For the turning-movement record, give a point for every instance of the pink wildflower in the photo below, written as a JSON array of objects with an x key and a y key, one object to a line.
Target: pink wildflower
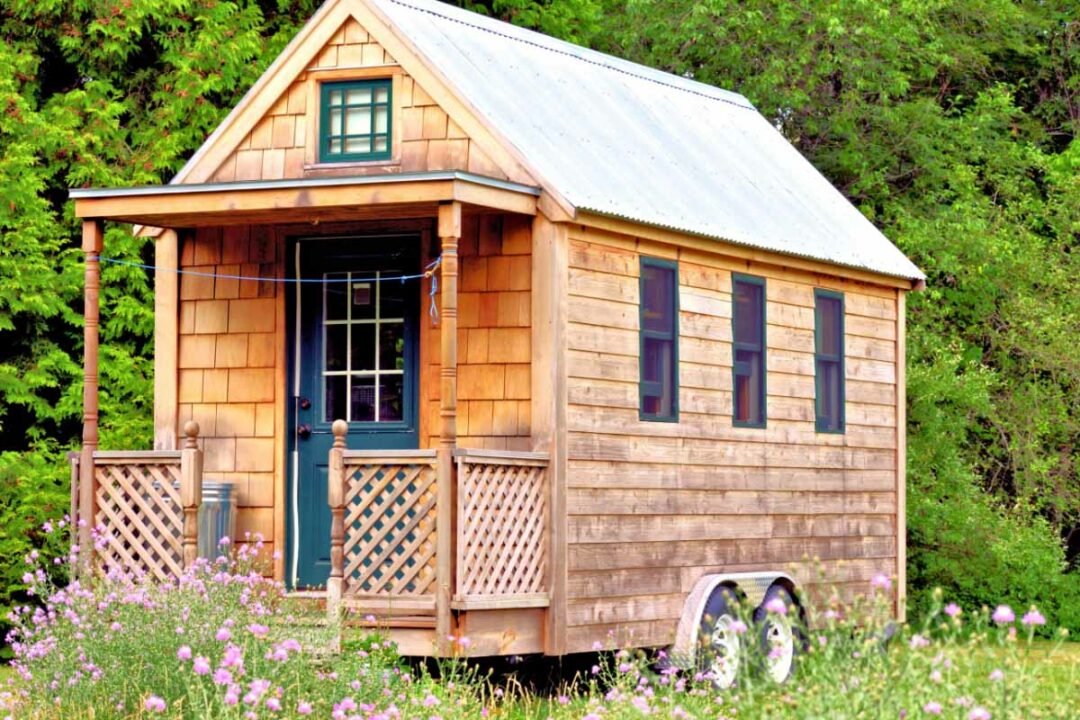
[
  {"x": 1033, "y": 617},
  {"x": 223, "y": 634},
  {"x": 1003, "y": 614},
  {"x": 184, "y": 653},
  {"x": 979, "y": 713},
  {"x": 777, "y": 606},
  {"x": 431, "y": 701},
  {"x": 881, "y": 581},
  {"x": 738, "y": 627},
  {"x": 259, "y": 631},
  {"x": 953, "y": 610},
  {"x": 273, "y": 704},
  {"x": 222, "y": 677},
  {"x": 155, "y": 704},
  {"x": 997, "y": 675},
  {"x": 932, "y": 708},
  {"x": 303, "y": 708},
  {"x": 201, "y": 666},
  {"x": 918, "y": 641}
]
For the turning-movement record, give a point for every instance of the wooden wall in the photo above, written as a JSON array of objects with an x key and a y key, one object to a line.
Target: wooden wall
[
  {"x": 494, "y": 343},
  {"x": 424, "y": 137},
  {"x": 652, "y": 506},
  {"x": 229, "y": 379}
]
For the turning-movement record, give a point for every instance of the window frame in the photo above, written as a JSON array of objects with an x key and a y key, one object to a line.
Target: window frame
[
  {"x": 325, "y": 88},
  {"x": 763, "y": 384},
  {"x": 839, "y": 359},
  {"x": 673, "y": 338}
]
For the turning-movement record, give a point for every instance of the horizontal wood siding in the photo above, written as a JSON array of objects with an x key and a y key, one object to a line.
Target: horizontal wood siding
[
  {"x": 494, "y": 338},
  {"x": 228, "y": 355},
  {"x": 653, "y": 506},
  {"x": 283, "y": 144}
]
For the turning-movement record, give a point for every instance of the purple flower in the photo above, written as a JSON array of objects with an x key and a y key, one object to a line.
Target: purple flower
[
  {"x": 273, "y": 704},
  {"x": 201, "y": 666},
  {"x": 184, "y": 653},
  {"x": 223, "y": 635},
  {"x": 1003, "y": 614},
  {"x": 431, "y": 700},
  {"x": 738, "y": 627},
  {"x": 259, "y": 631},
  {"x": 222, "y": 677},
  {"x": 979, "y": 713},
  {"x": 303, "y": 708},
  {"x": 1033, "y": 617},
  {"x": 953, "y": 610},
  {"x": 881, "y": 581},
  {"x": 932, "y": 708},
  {"x": 155, "y": 704},
  {"x": 777, "y": 606}
]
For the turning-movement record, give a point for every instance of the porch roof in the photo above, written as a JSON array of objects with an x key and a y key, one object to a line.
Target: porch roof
[{"x": 322, "y": 199}]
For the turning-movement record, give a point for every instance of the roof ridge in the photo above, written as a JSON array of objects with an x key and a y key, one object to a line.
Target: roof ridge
[{"x": 607, "y": 66}]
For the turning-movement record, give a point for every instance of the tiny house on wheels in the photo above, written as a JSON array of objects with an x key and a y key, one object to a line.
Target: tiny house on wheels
[{"x": 493, "y": 336}]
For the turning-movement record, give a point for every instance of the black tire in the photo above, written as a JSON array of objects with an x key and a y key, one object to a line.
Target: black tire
[
  {"x": 720, "y": 646},
  {"x": 781, "y": 636}
]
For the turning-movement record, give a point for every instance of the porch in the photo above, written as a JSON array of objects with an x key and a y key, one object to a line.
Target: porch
[{"x": 420, "y": 528}]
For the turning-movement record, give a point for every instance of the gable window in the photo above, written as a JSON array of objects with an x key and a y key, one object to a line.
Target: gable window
[
  {"x": 829, "y": 360},
  {"x": 355, "y": 121},
  {"x": 659, "y": 328},
  {"x": 748, "y": 330}
]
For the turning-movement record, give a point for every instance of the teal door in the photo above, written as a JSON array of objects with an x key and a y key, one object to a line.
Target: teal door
[{"x": 354, "y": 357}]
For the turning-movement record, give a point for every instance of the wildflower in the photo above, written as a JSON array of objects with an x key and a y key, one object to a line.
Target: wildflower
[
  {"x": 935, "y": 676},
  {"x": 155, "y": 704},
  {"x": 953, "y": 610},
  {"x": 979, "y": 713},
  {"x": 1033, "y": 617},
  {"x": 881, "y": 581},
  {"x": 777, "y": 606},
  {"x": 224, "y": 541},
  {"x": 595, "y": 670},
  {"x": 918, "y": 641},
  {"x": 201, "y": 666},
  {"x": 222, "y": 677},
  {"x": 47, "y": 527},
  {"x": 997, "y": 675},
  {"x": 223, "y": 635},
  {"x": 303, "y": 708},
  {"x": 184, "y": 653},
  {"x": 625, "y": 667},
  {"x": 563, "y": 700},
  {"x": 273, "y": 704},
  {"x": 738, "y": 627},
  {"x": 932, "y": 708},
  {"x": 591, "y": 716},
  {"x": 232, "y": 696},
  {"x": 259, "y": 631},
  {"x": 431, "y": 700},
  {"x": 1002, "y": 614}
]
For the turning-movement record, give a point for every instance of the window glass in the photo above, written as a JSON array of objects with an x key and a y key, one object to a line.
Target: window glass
[
  {"x": 748, "y": 329},
  {"x": 829, "y": 360},
  {"x": 658, "y": 361},
  {"x": 356, "y": 121}
]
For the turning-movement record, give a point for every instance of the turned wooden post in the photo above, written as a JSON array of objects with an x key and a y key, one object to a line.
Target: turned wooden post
[
  {"x": 449, "y": 235},
  {"x": 92, "y": 234},
  {"x": 191, "y": 472},
  {"x": 335, "y": 494}
]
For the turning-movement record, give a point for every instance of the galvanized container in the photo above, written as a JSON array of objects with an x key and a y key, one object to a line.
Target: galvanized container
[{"x": 217, "y": 517}]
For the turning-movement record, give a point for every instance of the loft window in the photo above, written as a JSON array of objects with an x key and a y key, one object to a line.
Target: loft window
[
  {"x": 355, "y": 121},
  {"x": 748, "y": 330},
  {"x": 829, "y": 360},
  {"x": 659, "y": 323}
]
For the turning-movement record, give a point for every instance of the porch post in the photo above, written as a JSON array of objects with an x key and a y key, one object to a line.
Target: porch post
[
  {"x": 335, "y": 495},
  {"x": 449, "y": 234},
  {"x": 92, "y": 234},
  {"x": 191, "y": 478}
]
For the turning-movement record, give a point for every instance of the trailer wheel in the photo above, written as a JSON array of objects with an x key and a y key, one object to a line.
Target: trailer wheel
[
  {"x": 720, "y": 649},
  {"x": 781, "y": 639}
]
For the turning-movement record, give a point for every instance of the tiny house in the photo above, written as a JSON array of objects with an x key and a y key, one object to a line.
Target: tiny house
[{"x": 497, "y": 337}]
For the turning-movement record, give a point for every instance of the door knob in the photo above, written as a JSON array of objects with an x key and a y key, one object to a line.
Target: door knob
[{"x": 303, "y": 430}]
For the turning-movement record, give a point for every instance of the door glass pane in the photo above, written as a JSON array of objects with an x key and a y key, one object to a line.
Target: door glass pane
[
  {"x": 392, "y": 346},
  {"x": 363, "y": 347},
  {"x": 391, "y": 393},
  {"x": 363, "y": 296},
  {"x": 336, "y": 347},
  {"x": 392, "y": 297},
  {"x": 334, "y": 407},
  {"x": 334, "y": 291},
  {"x": 363, "y": 398}
]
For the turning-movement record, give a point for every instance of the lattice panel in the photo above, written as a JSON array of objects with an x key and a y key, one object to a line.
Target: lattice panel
[
  {"x": 139, "y": 506},
  {"x": 390, "y": 529},
  {"x": 503, "y": 519}
]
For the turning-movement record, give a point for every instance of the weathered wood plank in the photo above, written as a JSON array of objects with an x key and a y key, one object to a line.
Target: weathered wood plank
[
  {"x": 602, "y": 474},
  {"x": 611, "y": 501},
  {"x": 666, "y": 528}
]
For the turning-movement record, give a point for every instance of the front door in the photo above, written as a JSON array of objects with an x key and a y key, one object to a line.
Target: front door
[{"x": 354, "y": 358}]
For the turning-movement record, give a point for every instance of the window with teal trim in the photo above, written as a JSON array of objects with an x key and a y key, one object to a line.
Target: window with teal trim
[
  {"x": 659, "y": 328},
  {"x": 829, "y": 360},
  {"x": 355, "y": 121},
  {"x": 748, "y": 332}
]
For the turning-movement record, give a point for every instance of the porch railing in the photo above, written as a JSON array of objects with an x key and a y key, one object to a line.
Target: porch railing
[
  {"x": 502, "y": 520},
  {"x": 385, "y": 530},
  {"x": 145, "y": 509}
]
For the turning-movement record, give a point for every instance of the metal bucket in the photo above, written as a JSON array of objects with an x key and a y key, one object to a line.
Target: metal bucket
[{"x": 217, "y": 517}]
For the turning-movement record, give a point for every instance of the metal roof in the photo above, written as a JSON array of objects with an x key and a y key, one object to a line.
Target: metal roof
[{"x": 625, "y": 140}]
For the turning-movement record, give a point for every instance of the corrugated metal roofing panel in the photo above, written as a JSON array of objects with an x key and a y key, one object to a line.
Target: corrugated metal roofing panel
[{"x": 625, "y": 140}]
